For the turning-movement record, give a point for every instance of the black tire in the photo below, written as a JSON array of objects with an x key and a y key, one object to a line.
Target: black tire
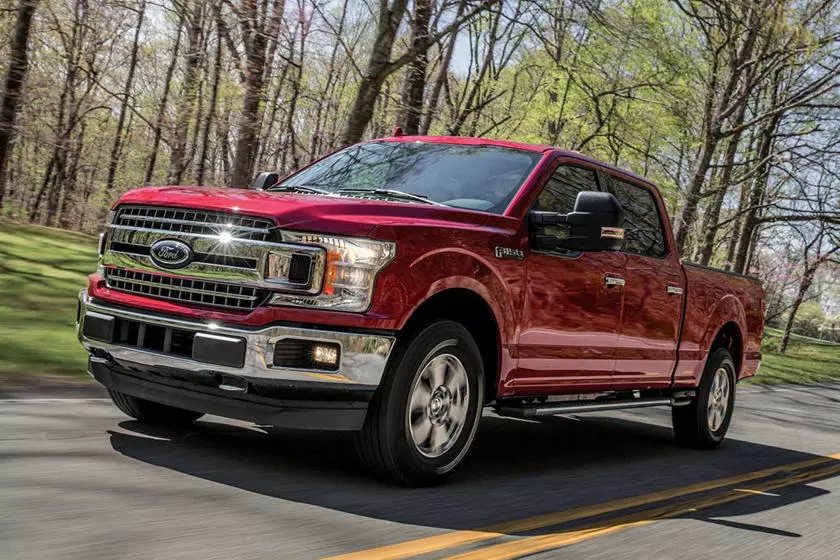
[
  {"x": 385, "y": 443},
  {"x": 691, "y": 422},
  {"x": 153, "y": 413}
]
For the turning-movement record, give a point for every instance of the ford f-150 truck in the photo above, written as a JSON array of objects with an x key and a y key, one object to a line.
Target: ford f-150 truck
[{"x": 398, "y": 287}]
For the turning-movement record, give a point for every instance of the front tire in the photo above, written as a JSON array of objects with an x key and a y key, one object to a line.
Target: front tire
[
  {"x": 703, "y": 423},
  {"x": 153, "y": 413},
  {"x": 424, "y": 417}
]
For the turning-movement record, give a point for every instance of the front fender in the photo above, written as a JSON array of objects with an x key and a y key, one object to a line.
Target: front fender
[{"x": 447, "y": 269}]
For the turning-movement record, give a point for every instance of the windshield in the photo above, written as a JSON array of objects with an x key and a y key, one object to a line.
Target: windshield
[{"x": 475, "y": 177}]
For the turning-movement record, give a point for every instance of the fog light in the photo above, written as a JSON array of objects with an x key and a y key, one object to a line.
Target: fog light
[
  {"x": 305, "y": 354},
  {"x": 325, "y": 354}
]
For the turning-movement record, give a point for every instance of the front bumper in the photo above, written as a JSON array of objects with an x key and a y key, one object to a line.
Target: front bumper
[{"x": 257, "y": 391}]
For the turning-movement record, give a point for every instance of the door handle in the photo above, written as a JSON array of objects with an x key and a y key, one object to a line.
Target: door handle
[
  {"x": 674, "y": 290},
  {"x": 613, "y": 280}
]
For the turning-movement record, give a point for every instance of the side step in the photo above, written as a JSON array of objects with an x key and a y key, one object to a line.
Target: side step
[{"x": 532, "y": 410}]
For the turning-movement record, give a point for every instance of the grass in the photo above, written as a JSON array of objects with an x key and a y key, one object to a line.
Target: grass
[
  {"x": 42, "y": 269},
  {"x": 807, "y": 360},
  {"x": 41, "y": 272}
]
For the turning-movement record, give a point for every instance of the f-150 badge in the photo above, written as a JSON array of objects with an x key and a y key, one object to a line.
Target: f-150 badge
[{"x": 509, "y": 253}]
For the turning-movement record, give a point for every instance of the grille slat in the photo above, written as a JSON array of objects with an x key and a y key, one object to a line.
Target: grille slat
[
  {"x": 197, "y": 222},
  {"x": 201, "y": 292}
]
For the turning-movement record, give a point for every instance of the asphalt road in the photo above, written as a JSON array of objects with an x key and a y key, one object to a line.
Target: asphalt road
[{"x": 78, "y": 480}]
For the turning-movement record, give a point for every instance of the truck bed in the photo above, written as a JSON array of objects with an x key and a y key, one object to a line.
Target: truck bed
[{"x": 712, "y": 298}]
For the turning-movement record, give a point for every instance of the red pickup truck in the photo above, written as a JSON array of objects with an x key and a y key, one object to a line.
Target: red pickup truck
[{"x": 397, "y": 287}]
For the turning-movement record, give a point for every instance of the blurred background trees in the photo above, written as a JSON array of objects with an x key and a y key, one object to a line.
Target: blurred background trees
[{"x": 731, "y": 107}]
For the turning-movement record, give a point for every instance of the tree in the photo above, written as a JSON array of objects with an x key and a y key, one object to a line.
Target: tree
[
  {"x": 415, "y": 83},
  {"x": 18, "y": 64},
  {"x": 129, "y": 82},
  {"x": 380, "y": 66},
  {"x": 193, "y": 15},
  {"x": 258, "y": 31},
  {"x": 815, "y": 255}
]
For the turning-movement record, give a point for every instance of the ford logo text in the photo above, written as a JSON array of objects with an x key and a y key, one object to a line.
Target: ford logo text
[{"x": 168, "y": 253}]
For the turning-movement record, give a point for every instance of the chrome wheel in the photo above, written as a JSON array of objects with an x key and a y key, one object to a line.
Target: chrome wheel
[
  {"x": 718, "y": 400},
  {"x": 438, "y": 405}
]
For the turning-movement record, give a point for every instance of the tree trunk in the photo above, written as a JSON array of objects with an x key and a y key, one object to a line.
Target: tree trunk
[
  {"x": 53, "y": 179},
  {"x": 323, "y": 102},
  {"x": 158, "y": 127},
  {"x": 416, "y": 79},
  {"x": 250, "y": 118},
  {"x": 698, "y": 176},
  {"x": 18, "y": 64},
  {"x": 804, "y": 285},
  {"x": 376, "y": 72},
  {"x": 192, "y": 59},
  {"x": 211, "y": 111},
  {"x": 766, "y": 143},
  {"x": 129, "y": 81},
  {"x": 437, "y": 87}
]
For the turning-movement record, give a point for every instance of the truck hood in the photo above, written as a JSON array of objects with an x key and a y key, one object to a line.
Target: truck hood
[{"x": 315, "y": 213}]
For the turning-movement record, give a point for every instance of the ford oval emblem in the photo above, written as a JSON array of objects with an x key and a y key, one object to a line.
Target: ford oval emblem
[{"x": 168, "y": 253}]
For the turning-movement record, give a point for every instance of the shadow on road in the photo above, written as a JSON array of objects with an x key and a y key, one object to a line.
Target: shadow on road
[{"x": 516, "y": 469}]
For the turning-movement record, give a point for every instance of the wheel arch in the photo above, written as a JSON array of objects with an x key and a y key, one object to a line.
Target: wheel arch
[
  {"x": 729, "y": 337},
  {"x": 727, "y": 329},
  {"x": 472, "y": 310}
]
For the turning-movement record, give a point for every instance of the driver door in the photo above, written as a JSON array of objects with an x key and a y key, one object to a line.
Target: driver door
[{"x": 572, "y": 302}]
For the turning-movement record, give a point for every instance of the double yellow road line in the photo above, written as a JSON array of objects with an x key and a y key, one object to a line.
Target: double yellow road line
[{"x": 784, "y": 475}]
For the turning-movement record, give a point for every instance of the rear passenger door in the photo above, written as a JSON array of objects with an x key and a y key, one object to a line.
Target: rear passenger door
[
  {"x": 653, "y": 291},
  {"x": 573, "y": 302}
]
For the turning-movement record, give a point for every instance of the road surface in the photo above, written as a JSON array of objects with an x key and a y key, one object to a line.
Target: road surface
[{"x": 78, "y": 480}]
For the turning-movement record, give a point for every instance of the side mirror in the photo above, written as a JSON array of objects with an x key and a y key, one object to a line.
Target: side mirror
[
  {"x": 596, "y": 224},
  {"x": 265, "y": 180}
]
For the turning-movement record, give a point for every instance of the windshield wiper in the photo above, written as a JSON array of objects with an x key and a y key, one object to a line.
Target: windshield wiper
[
  {"x": 394, "y": 194},
  {"x": 301, "y": 188}
]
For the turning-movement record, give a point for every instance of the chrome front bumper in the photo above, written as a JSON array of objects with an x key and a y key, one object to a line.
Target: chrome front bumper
[{"x": 362, "y": 358}]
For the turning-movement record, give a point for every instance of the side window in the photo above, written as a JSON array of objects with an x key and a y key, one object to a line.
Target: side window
[
  {"x": 562, "y": 188},
  {"x": 560, "y": 192},
  {"x": 643, "y": 226}
]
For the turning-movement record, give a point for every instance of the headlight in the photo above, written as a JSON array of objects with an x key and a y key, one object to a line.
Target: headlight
[
  {"x": 349, "y": 272},
  {"x": 101, "y": 245}
]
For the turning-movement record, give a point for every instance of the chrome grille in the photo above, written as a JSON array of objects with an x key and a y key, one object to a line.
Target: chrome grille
[
  {"x": 195, "y": 222},
  {"x": 188, "y": 290},
  {"x": 232, "y": 256}
]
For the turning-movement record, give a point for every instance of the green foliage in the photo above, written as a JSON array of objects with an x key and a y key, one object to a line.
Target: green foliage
[
  {"x": 809, "y": 319},
  {"x": 41, "y": 272},
  {"x": 806, "y": 360}
]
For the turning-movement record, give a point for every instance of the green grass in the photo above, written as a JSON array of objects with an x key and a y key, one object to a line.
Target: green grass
[
  {"x": 41, "y": 272},
  {"x": 42, "y": 269},
  {"x": 807, "y": 360}
]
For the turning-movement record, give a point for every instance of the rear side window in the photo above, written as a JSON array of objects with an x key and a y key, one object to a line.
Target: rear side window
[{"x": 643, "y": 227}]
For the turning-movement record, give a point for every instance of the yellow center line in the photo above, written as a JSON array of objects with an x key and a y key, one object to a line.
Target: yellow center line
[
  {"x": 425, "y": 545},
  {"x": 542, "y": 543}
]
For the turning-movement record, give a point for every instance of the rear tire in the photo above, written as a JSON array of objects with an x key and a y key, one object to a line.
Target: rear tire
[
  {"x": 425, "y": 414},
  {"x": 153, "y": 413},
  {"x": 703, "y": 423}
]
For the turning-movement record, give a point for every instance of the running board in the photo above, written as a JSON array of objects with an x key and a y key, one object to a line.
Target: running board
[{"x": 570, "y": 407}]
